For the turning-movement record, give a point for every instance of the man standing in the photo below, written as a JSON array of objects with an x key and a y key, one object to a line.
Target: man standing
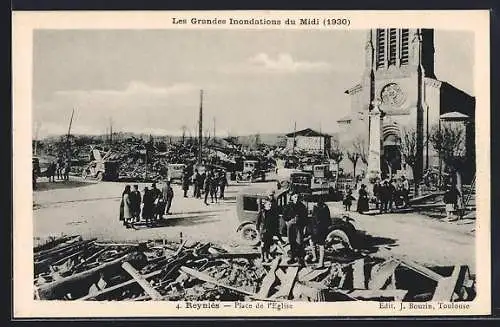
[
  {"x": 295, "y": 216},
  {"x": 267, "y": 225},
  {"x": 185, "y": 182},
  {"x": 168, "y": 195},
  {"x": 450, "y": 200},
  {"x": 158, "y": 202},
  {"x": 135, "y": 202},
  {"x": 207, "y": 184},
  {"x": 320, "y": 223},
  {"x": 222, "y": 184},
  {"x": 67, "y": 169},
  {"x": 196, "y": 189},
  {"x": 406, "y": 191}
]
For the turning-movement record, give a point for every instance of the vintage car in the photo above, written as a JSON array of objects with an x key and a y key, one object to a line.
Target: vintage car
[
  {"x": 341, "y": 232},
  {"x": 176, "y": 172}
]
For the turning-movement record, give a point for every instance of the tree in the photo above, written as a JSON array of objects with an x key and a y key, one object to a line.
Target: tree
[
  {"x": 360, "y": 145},
  {"x": 449, "y": 141},
  {"x": 336, "y": 154},
  {"x": 408, "y": 148}
]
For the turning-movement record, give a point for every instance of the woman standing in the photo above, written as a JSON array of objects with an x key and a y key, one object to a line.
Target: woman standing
[
  {"x": 147, "y": 208},
  {"x": 362, "y": 199},
  {"x": 125, "y": 207}
]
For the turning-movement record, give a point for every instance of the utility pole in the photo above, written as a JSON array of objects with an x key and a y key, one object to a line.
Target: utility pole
[
  {"x": 294, "y": 135},
  {"x": 200, "y": 129},
  {"x": 37, "y": 130},
  {"x": 214, "y": 130},
  {"x": 69, "y": 131},
  {"x": 110, "y": 130}
]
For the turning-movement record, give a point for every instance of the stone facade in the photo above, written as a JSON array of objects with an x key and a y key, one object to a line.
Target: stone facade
[{"x": 399, "y": 77}]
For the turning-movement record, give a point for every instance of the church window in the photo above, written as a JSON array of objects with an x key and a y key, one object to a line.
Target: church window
[
  {"x": 405, "y": 44},
  {"x": 392, "y": 46},
  {"x": 381, "y": 39}
]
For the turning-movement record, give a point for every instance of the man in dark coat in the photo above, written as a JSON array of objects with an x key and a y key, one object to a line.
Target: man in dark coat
[
  {"x": 158, "y": 203},
  {"x": 268, "y": 226},
  {"x": 185, "y": 182},
  {"x": 222, "y": 184},
  {"x": 207, "y": 185},
  {"x": 168, "y": 196},
  {"x": 135, "y": 203},
  {"x": 147, "y": 208},
  {"x": 320, "y": 223},
  {"x": 295, "y": 216}
]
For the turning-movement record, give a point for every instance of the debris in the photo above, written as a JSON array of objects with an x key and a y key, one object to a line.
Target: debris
[
  {"x": 268, "y": 281},
  {"x": 76, "y": 269},
  {"x": 358, "y": 274},
  {"x": 381, "y": 273},
  {"x": 141, "y": 281}
]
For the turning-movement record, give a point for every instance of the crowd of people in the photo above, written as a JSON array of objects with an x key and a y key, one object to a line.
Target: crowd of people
[
  {"x": 155, "y": 203},
  {"x": 387, "y": 195},
  {"x": 295, "y": 217},
  {"x": 58, "y": 169}
]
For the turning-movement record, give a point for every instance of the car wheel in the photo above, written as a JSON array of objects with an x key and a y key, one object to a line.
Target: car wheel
[{"x": 249, "y": 234}]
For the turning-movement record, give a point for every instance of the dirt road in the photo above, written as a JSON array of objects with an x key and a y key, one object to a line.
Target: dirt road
[{"x": 91, "y": 210}]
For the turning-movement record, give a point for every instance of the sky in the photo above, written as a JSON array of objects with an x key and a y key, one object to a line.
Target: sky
[{"x": 148, "y": 81}]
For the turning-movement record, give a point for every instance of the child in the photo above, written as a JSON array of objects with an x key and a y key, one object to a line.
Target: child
[{"x": 348, "y": 198}]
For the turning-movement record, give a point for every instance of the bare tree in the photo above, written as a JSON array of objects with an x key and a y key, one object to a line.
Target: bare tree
[
  {"x": 336, "y": 154},
  {"x": 360, "y": 145},
  {"x": 354, "y": 154},
  {"x": 408, "y": 148},
  {"x": 449, "y": 141}
]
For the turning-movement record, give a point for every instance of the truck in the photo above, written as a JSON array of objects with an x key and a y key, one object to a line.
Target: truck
[
  {"x": 252, "y": 170},
  {"x": 318, "y": 182},
  {"x": 101, "y": 169}
]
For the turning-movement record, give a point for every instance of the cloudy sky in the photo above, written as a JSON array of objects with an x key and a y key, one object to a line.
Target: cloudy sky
[{"x": 254, "y": 81}]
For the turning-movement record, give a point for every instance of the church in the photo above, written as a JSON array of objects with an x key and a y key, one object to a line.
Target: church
[{"x": 399, "y": 91}]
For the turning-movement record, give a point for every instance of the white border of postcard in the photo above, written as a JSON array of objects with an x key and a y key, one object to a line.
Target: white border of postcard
[{"x": 24, "y": 23}]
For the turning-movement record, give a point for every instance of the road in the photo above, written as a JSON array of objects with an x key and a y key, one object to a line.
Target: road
[{"x": 91, "y": 210}]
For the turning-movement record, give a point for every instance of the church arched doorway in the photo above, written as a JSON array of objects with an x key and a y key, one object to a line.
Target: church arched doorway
[{"x": 391, "y": 155}]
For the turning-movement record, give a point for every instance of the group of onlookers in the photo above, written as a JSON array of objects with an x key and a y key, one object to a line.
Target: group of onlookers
[
  {"x": 151, "y": 206},
  {"x": 295, "y": 217},
  {"x": 211, "y": 183}
]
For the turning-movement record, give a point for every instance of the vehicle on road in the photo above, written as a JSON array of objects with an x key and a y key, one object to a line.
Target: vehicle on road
[
  {"x": 252, "y": 170},
  {"x": 101, "y": 169},
  {"x": 175, "y": 172},
  {"x": 341, "y": 232}
]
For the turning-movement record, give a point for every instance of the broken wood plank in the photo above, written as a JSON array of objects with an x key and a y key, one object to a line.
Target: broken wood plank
[
  {"x": 421, "y": 270},
  {"x": 269, "y": 279},
  {"x": 141, "y": 281},
  {"x": 446, "y": 286},
  {"x": 374, "y": 295},
  {"x": 383, "y": 253},
  {"x": 280, "y": 274},
  {"x": 314, "y": 274},
  {"x": 49, "y": 291},
  {"x": 95, "y": 255},
  {"x": 358, "y": 274},
  {"x": 303, "y": 272},
  {"x": 381, "y": 273},
  {"x": 287, "y": 285},
  {"x": 119, "y": 286},
  {"x": 206, "y": 278},
  {"x": 301, "y": 291},
  {"x": 63, "y": 260}
]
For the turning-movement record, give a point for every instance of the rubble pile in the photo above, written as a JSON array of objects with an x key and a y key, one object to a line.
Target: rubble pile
[{"x": 77, "y": 269}]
